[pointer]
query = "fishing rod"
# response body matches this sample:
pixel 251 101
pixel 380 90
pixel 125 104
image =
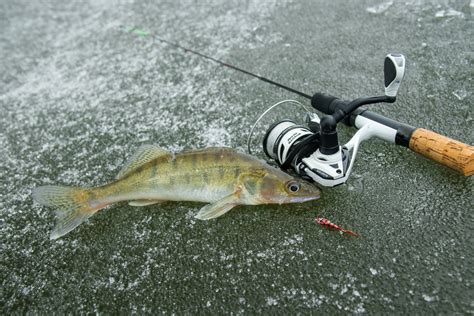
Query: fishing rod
pixel 187 50
pixel 314 151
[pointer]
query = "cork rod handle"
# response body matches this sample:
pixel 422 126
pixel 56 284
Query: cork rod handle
pixel 444 150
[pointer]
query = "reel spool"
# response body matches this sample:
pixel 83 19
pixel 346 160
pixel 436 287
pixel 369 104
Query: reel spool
pixel 292 112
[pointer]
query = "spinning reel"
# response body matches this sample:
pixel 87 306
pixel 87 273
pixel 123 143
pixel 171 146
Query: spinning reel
pixel 314 152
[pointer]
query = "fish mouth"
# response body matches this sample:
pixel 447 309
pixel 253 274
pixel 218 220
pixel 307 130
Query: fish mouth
pixel 298 199
pixel 301 199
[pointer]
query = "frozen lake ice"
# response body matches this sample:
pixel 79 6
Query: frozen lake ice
pixel 78 94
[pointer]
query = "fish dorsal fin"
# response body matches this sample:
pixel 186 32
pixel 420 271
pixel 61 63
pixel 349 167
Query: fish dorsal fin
pixel 144 154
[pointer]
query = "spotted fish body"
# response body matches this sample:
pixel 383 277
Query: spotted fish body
pixel 201 176
pixel 220 176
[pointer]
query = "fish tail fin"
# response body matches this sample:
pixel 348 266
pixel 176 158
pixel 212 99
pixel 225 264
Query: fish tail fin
pixel 73 206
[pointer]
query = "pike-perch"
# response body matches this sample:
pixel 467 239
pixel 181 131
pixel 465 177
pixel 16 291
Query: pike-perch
pixel 220 176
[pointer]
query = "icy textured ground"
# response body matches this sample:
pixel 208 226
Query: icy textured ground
pixel 78 94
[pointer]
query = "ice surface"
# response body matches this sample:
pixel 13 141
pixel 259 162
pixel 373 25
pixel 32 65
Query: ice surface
pixel 447 13
pixel 78 95
pixel 380 8
pixel 428 298
pixel 461 94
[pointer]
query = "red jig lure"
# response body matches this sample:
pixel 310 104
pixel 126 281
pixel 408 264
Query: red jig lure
pixel 325 222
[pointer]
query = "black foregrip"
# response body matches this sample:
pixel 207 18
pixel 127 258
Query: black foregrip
pixel 327 103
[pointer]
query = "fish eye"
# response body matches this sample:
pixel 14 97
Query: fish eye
pixel 293 186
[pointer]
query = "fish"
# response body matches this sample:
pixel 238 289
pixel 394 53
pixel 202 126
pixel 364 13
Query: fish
pixel 220 176
pixel 328 224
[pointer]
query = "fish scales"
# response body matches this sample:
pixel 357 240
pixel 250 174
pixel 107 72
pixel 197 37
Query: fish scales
pixel 174 174
pixel 220 176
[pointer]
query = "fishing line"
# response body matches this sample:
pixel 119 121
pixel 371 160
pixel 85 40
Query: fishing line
pixel 327 162
pixel 249 139
pixel 220 62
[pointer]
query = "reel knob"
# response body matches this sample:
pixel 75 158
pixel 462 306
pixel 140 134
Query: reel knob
pixel 394 70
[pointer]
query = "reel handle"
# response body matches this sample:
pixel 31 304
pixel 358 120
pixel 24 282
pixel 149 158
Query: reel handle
pixel 444 150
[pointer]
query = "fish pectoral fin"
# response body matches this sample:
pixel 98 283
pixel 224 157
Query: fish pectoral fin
pixel 144 154
pixel 213 210
pixel 218 208
pixel 144 202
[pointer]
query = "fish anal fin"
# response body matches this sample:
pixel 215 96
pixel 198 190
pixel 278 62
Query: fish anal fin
pixel 144 202
pixel 220 207
pixel 144 154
